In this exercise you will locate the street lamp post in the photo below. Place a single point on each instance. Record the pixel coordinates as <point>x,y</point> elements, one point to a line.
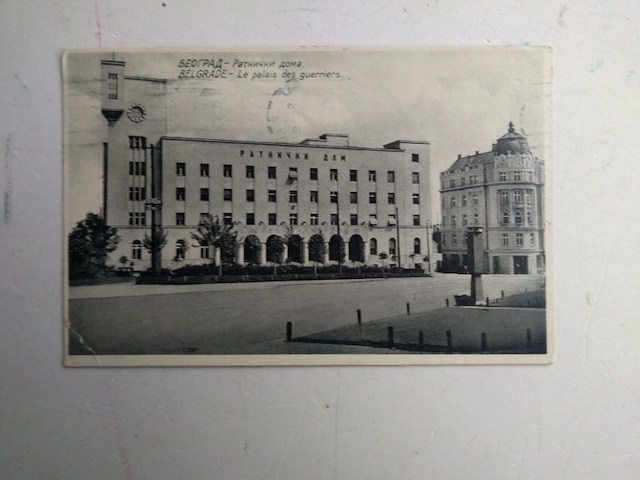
<point>428,248</point>
<point>154,204</point>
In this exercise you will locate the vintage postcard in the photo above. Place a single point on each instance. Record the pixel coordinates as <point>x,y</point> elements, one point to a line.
<point>308,206</point>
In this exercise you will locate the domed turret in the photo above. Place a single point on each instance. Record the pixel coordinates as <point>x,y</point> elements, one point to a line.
<point>511,142</point>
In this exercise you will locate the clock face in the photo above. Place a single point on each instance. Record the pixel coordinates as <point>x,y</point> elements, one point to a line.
<point>136,113</point>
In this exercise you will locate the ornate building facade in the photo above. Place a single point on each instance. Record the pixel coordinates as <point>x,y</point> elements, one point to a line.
<point>371,204</point>
<point>501,191</point>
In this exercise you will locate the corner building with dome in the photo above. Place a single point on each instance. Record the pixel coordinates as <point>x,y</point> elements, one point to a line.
<point>375,202</point>
<point>501,191</point>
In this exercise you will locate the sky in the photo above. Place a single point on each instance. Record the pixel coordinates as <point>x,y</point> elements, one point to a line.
<point>459,99</point>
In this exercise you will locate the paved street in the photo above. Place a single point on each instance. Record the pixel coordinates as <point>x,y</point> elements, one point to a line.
<point>229,318</point>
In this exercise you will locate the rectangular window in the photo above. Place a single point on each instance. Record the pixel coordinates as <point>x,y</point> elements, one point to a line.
<point>528,196</point>
<point>333,197</point>
<point>416,220</point>
<point>529,219</point>
<point>454,221</point>
<point>372,175</point>
<point>454,239</point>
<point>353,219</point>
<point>180,194</point>
<point>228,195</point>
<point>391,176</point>
<point>204,169</point>
<point>314,219</point>
<point>273,219</point>
<point>464,200</point>
<point>293,196</point>
<point>391,198</point>
<point>204,251</point>
<point>137,218</point>
<point>504,197</point>
<point>463,181</point>
<point>505,239</point>
<point>476,219</point>
<point>138,143</point>
<point>271,172</point>
<point>415,157</point>
<point>228,219</point>
<point>112,86</point>
<point>179,218</point>
<point>474,198</point>
<point>353,197</point>
<point>333,174</point>
<point>416,198</point>
<point>293,219</point>
<point>502,176</point>
<point>372,197</point>
<point>293,173</point>
<point>137,168</point>
<point>353,175</point>
<point>517,196</point>
<point>452,183</point>
<point>251,195</point>
<point>415,177</point>
<point>251,218</point>
<point>334,219</point>
<point>227,170</point>
<point>137,193</point>
<point>532,239</point>
<point>465,220</point>
<point>519,239</point>
<point>313,196</point>
<point>250,171</point>
<point>180,169</point>
<point>517,176</point>
<point>203,218</point>
<point>313,174</point>
<point>271,195</point>
<point>453,201</point>
<point>204,194</point>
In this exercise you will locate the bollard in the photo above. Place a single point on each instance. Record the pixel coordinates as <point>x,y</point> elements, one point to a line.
<point>487,301</point>
<point>289,331</point>
<point>421,340</point>
<point>390,336</point>
<point>483,341</point>
<point>408,308</point>
<point>449,342</point>
<point>359,317</point>
<point>447,300</point>
<point>529,340</point>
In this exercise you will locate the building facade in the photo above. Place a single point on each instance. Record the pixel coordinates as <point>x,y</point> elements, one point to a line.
<point>371,204</point>
<point>501,191</point>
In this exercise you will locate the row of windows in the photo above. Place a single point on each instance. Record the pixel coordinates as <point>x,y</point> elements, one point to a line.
<point>250,172</point>
<point>272,219</point>
<point>465,220</point>
<point>517,217</point>
<point>519,237</point>
<point>138,193</point>
<point>518,196</point>
<point>516,176</point>
<point>453,201</point>
<point>506,219</point>
<point>136,248</point>
<point>473,180</point>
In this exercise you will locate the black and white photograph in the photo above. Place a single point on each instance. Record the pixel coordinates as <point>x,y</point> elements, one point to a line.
<point>308,206</point>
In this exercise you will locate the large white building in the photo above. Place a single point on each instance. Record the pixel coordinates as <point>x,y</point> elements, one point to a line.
<point>374,201</point>
<point>502,191</point>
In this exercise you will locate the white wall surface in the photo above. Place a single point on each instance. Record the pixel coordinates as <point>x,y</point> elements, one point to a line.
<point>576,419</point>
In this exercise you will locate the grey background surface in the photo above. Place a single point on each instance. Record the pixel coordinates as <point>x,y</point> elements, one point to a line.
<point>577,418</point>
